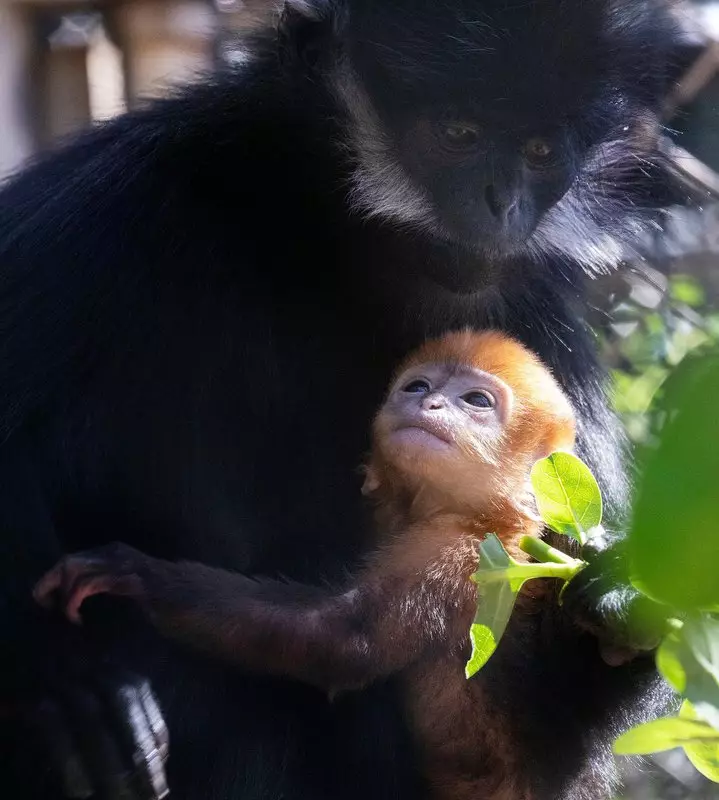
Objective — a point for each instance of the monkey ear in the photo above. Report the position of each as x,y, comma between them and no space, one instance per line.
308,30
371,480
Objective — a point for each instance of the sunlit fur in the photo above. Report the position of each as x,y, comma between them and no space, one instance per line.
380,186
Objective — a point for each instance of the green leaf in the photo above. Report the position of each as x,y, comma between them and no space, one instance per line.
701,663
689,660
669,662
499,578
495,563
703,754
672,544
702,636
687,290
634,393
568,496
494,605
662,734
484,641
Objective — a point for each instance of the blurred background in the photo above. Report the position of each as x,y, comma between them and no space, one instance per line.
65,64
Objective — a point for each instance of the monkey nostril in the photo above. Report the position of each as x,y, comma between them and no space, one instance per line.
493,204
433,402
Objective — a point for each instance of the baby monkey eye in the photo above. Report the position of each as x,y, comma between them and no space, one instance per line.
459,136
479,399
417,386
538,151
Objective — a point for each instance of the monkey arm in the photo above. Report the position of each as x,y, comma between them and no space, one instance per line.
401,604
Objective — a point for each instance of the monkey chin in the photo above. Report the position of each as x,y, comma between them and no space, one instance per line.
486,238
477,265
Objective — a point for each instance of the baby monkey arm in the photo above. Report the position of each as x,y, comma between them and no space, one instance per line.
334,640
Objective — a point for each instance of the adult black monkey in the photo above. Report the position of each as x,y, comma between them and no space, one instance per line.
176,285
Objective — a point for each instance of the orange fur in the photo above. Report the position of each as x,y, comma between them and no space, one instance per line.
466,747
542,419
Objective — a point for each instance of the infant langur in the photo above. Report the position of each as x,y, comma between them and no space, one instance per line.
463,423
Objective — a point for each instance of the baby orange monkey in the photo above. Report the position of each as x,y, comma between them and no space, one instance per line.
464,420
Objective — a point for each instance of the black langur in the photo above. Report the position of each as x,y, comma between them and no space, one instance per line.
213,290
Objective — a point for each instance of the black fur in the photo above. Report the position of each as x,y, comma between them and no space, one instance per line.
198,319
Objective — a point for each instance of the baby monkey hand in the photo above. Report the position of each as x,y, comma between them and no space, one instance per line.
113,569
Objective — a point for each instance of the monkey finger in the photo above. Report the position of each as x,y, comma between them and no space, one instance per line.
45,590
75,579
82,587
99,583
56,581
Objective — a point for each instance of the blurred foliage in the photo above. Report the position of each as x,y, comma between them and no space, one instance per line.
644,344
673,539
646,328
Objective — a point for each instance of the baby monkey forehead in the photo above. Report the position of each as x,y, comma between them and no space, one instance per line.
450,368
454,367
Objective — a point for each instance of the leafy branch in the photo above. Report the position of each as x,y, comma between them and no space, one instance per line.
570,502
673,559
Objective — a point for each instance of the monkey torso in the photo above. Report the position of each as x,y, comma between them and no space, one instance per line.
466,742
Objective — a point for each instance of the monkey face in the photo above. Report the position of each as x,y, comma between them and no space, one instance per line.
448,405
445,422
489,181
468,415
473,119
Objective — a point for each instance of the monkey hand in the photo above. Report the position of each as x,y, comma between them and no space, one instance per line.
115,569
601,601
103,729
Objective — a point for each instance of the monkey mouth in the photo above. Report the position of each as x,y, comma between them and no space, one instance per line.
424,434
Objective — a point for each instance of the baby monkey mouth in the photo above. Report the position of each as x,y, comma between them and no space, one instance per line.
425,428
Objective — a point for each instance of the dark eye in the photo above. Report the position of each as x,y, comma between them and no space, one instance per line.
479,399
458,136
417,386
538,151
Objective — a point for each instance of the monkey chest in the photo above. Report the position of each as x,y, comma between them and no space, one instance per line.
467,745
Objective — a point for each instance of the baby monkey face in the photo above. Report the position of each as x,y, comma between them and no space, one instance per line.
466,418
450,409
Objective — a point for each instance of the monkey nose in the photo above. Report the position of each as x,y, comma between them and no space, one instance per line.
433,402
492,200
502,205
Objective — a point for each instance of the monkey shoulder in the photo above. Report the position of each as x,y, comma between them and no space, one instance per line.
146,215
200,156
